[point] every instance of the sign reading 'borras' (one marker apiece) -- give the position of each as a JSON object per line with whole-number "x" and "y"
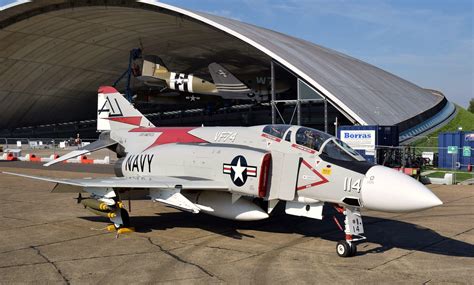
{"x": 359, "y": 139}
{"x": 139, "y": 163}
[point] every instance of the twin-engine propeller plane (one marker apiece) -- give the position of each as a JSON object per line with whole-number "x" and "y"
{"x": 228, "y": 171}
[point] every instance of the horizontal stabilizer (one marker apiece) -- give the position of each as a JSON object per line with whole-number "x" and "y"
{"x": 67, "y": 156}
{"x": 153, "y": 66}
{"x": 103, "y": 142}
{"x": 225, "y": 81}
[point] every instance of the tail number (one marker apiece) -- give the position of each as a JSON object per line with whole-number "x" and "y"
{"x": 109, "y": 107}
{"x": 352, "y": 186}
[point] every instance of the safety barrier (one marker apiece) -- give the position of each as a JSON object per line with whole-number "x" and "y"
{"x": 35, "y": 158}
{"x": 84, "y": 160}
{"x": 448, "y": 179}
{"x": 10, "y": 156}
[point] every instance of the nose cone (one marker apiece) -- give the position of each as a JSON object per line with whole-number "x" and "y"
{"x": 387, "y": 190}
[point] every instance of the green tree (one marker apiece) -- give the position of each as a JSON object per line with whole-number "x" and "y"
{"x": 471, "y": 106}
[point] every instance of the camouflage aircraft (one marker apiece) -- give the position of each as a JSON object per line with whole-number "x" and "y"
{"x": 229, "y": 171}
{"x": 225, "y": 84}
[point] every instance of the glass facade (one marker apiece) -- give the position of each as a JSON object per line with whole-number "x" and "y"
{"x": 306, "y": 92}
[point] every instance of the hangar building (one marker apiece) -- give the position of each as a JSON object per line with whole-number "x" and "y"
{"x": 54, "y": 54}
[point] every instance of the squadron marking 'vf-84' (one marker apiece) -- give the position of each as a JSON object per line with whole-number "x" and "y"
{"x": 224, "y": 171}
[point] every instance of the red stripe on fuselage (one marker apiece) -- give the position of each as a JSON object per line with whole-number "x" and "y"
{"x": 300, "y": 147}
{"x": 322, "y": 181}
{"x": 171, "y": 135}
{"x": 136, "y": 120}
{"x": 271, "y": 137}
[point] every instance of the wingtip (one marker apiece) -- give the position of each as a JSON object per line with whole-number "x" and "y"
{"x": 49, "y": 163}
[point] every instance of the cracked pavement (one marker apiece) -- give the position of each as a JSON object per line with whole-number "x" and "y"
{"x": 48, "y": 238}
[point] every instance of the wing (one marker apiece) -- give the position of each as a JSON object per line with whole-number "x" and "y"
{"x": 158, "y": 182}
{"x": 163, "y": 189}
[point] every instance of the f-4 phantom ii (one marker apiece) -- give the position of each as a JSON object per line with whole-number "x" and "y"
{"x": 155, "y": 73}
{"x": 228, "y": 171}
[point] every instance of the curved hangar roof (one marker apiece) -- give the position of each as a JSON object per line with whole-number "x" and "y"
{"x": 54, "y": 54}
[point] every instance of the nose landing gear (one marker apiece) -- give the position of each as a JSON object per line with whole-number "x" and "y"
{"x": 353, "y": 227}
{"x": 346, "y": 249}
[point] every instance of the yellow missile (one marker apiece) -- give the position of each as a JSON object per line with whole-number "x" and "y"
{"x": 95, "y": 204}
{"x": 109, "y": 215}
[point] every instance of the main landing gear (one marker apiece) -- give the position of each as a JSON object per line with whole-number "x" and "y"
{"x": 353, "y": 229}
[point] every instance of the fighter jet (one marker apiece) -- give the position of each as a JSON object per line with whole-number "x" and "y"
{"x": 229, "y": 172}
{"x": 155, "y": 73}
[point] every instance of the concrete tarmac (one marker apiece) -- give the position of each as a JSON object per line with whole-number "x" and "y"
{"x": 48, "y": 238}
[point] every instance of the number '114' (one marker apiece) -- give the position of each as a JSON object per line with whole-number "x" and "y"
{"x": 351, "y": 186}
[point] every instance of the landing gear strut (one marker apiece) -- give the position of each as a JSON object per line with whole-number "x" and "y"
{"x": 353, "y": 229}
{"x": 121, "y": 223}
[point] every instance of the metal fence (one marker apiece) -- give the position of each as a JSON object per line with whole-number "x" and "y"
{"x": 42, "y": 143}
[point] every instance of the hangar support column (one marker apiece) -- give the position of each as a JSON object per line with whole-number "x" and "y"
{"x": 272, "y": 68}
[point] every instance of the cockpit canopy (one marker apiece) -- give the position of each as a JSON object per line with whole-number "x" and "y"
{"x": 276, "y": 130}
{"x": 323, "y": 143}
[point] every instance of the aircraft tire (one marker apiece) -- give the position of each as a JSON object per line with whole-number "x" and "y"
{"x": 353, "y": 249}
{"x": 125, "y": 219}
{"x": 343, "y": 248}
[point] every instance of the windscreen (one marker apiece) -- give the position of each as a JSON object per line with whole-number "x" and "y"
{"x": 311, "y": 138}
{"x": 340, "y": 150}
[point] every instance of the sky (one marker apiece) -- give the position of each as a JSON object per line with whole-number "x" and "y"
{"x": 427, "y": 42}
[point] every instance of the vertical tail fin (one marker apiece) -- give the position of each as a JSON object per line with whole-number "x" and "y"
{"x": 114, "y": 112}
{"x": 225, "y": 81}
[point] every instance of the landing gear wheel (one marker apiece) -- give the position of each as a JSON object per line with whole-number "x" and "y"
{"x": 353, "y": 249}
{"x": 125, "y": 219}
{"x": 343, "y": 248}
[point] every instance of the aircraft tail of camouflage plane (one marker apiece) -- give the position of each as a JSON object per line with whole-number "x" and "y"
{"x": 238, "y": 173}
